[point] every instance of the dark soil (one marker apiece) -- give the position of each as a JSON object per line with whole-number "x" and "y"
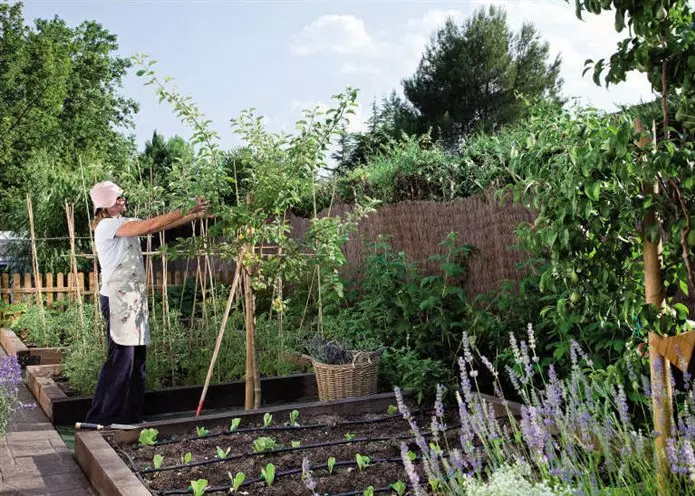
{"x": 65, "y": 386}
{"x": 378, "y": 440}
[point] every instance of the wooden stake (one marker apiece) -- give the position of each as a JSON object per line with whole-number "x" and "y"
{"x": 220, "y": 334}
{"x": 70, "y": 213}
{"x": 250, "y": 350}
{"x": 35, "y": 260}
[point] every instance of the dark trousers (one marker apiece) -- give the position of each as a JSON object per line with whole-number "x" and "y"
{"x": 120, "y": 392}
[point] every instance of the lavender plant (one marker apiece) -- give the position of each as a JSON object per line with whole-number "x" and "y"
{"x": 10, "y": 377}
{"x": 575, "y": 434}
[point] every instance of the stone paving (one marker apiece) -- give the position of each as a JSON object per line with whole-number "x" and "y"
{"x": 34, "y": 459}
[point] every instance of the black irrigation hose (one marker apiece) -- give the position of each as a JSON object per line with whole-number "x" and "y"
{"x": 283, "y": 450}
{"x": 279, "y": 475}
{"x": 377, "y": 490}
{"x": 280, "y": 428}
{"x": 132, "y": 464}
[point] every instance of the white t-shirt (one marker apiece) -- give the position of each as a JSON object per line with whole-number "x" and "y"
{"x": 111, "y": 248}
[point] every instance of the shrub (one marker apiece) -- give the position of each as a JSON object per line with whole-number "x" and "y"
{"x": 10, "y": 378}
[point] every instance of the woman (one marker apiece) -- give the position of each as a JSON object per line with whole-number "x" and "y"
{"x": 120, "y": 389}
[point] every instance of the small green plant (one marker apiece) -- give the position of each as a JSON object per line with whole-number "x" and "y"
{"x": 295, "y": 444}
{"x": 237, "y": 480}
{"x": 369, "y": 491}
{"x": 399, "y": 486}
{"x": 157, "y": 461}
{"x": 235, "y": 424}
{"x": 202, "y": 431}
{"x": 268, "y": 474}
{"x": 199, "y": 486}
{"x": 362, "y": 461}
{"x": 186, "y": 459}
{"x": 412, "y": 456}
{"x": 263, "y": 444}
{"x": 148, "y": 437}
{"x": 222, "y": 454}
{"x": 392, "y": 410}
{"x": 294, "y": 415}
{"x": 349, "y": 436}
{"x": 331, "y": 464}
{"x": 267, "y": 420}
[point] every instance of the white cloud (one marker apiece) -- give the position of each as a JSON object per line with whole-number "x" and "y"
{"x": 341, "y": 34}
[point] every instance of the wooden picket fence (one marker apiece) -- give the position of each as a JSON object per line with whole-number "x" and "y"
{"x": 15, "y": 288}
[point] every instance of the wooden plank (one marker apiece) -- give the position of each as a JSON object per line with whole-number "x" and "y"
{"x": 49, "y": 289}
{"x": 16, "y": 285}
{"x": 178, "y": 279}
{"x": 158, "y": 278}
{"x": 277, "y": 390}
{"x": 27, "y": 285}
{"x": 61, "y": 284}
{"x": 71, "y": 285}
{"x": 104, "y": 469}
{"x": 5, "y": 285}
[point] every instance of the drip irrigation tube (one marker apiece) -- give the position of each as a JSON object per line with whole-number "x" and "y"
{"x": 284, "y": 450}
{"x": 281, "y": 428}
{"x": 285, "y": 473}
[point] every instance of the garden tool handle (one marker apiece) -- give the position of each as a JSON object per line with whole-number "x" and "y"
{"x": 88, "y": 426}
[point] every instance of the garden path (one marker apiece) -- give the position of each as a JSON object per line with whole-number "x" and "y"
{"x": 34, "y": 459}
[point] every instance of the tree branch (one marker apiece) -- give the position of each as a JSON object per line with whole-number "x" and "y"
{"x": 684, "y": 234}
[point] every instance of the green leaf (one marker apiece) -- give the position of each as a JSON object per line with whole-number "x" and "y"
{"x": 593, "y": 190}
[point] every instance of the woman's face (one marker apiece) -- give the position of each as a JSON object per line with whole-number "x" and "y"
{"x": 118, "y": 208}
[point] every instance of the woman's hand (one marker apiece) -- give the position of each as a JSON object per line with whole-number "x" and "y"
{"x": 200, "y": 208}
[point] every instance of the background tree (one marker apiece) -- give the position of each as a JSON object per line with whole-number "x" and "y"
{"x": 59, "y": 107}
{"x": 469, "y": 75}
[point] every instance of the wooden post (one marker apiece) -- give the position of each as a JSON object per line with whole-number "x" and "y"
{"x": 659, "y": 366}
{"x": 49, "y": 289}
{"x": 249, "y": 298}
{"x": 5, "y": 284}
{"x": 35, "y": 260}
{"x": 17, "y": 287}
{"x": 60, "y": 287}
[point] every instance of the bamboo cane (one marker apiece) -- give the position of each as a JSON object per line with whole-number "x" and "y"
{"x": 70, "y": 213}
{"x": 35, "y": 260}
{"x": 250, "y": 352}
{"x": 220, "y": 334}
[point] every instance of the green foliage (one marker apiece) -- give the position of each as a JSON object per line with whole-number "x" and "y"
{"x": 469, "y": 75}
{"x": 60, "y": 108}
{"x": 157, "y": 461}
{"x": 331, "y": 464}
{"x": 148, "y": 437}
{"x": 268, "y": 474}
{"x": 222, "y": 454}
{"x": 235, "y": 424}
{"x": 58, "y": 326}
{"x": 362, "y": 461}
{"x": 199, "y": 486}
{"x": 263, "y": 444}
{"x": 267, "y": 419}
{"x": 237, "y": 480}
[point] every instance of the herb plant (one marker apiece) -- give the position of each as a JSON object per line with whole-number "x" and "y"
{"x": 263, "y": 444}
{"x": 331, "y": 464}
{"x": 222, "y": 454}
{"x": 267, "y": 420}
{"x": 362, "y": 461}
{"x": 201, "y": 431}
{"x": 157, "y": 461}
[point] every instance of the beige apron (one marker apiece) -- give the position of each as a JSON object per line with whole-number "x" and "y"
{"x": 127, "y": 290}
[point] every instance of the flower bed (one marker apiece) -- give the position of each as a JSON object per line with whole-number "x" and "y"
{"x": 345, "y": 446}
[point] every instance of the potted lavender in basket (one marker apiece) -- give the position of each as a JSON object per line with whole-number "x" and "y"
{"x": 10, "y": 377}
{"x": 341, "y": 370}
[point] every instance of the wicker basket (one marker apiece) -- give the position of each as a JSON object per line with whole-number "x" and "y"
{"x": 358, "y": 378}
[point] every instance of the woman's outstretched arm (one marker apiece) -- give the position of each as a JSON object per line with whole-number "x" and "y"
{"x": 161, "y": 222}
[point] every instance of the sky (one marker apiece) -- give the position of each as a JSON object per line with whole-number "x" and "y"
{"x": 280, "y": 56}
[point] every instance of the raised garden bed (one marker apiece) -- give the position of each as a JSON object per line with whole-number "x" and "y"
{"x": 342, "y": 429}
{"x": 27, "y": 354}
{"x": 62, "y": 409}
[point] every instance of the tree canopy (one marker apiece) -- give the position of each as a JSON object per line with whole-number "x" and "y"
{"x": 469, "y": 76}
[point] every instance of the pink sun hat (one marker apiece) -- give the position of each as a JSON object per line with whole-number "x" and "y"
{"x": 105, "y": 194}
